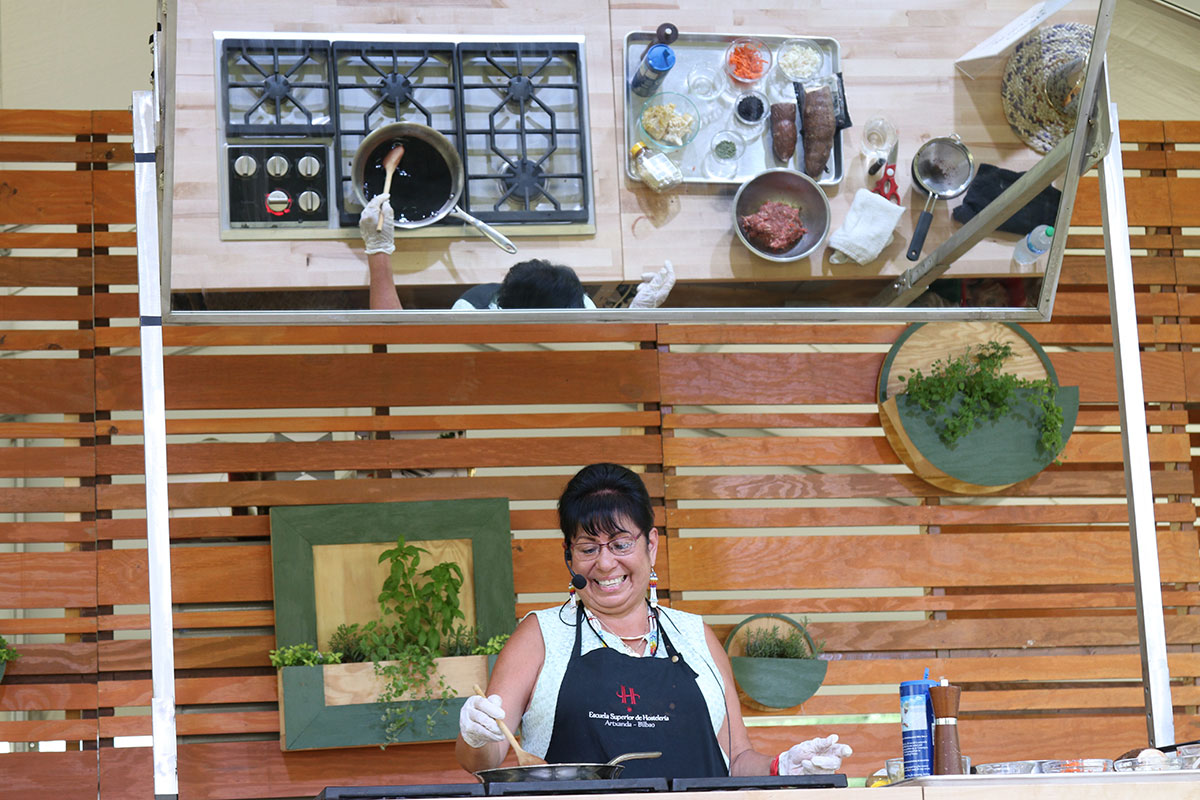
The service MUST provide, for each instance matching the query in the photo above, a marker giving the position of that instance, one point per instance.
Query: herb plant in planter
(775, 660)
(7, 654)
(401, 635)
(972, 420)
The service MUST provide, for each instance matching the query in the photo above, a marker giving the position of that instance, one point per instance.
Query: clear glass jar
(655, 169)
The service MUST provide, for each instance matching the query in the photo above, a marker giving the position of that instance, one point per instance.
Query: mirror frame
(1075, 155)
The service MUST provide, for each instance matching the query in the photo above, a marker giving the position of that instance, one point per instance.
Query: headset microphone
(577, 580)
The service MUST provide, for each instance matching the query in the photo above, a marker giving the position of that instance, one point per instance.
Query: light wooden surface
(898, 62)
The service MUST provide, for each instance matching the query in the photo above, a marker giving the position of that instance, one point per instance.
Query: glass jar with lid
(656, 170)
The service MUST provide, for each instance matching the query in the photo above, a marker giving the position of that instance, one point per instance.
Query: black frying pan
(560, 772)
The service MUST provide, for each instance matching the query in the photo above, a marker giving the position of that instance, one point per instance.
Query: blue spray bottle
(916, 726)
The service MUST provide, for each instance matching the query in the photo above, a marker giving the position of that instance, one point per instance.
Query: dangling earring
(571, 595)
(653, 588)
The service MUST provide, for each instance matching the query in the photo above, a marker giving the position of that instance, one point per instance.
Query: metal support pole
(154, 439)
(1139, 496)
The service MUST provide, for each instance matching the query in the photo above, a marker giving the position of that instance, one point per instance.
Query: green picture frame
(305, 721)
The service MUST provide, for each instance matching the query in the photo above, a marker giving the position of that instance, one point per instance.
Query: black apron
(611, 703)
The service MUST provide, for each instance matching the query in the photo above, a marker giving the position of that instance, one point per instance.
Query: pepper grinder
(947, 757)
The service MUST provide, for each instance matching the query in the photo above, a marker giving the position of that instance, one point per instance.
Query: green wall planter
(775, 682)
(307, 720)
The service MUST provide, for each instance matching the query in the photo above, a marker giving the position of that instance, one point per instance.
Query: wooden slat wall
(52, 165)
(1024, 599)
(352, 407)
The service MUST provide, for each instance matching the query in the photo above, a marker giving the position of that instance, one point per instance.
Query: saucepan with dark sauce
(427, 183)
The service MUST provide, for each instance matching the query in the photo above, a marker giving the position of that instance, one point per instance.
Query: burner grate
(831, 781)
(400, 792)
(524, 132)
(276, 88)
(610, 786)
(378, 83)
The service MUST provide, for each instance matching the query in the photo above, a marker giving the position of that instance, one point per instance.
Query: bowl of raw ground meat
(781, 215)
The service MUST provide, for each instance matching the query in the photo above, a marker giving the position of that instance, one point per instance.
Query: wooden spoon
(524, 758)
(390, 162)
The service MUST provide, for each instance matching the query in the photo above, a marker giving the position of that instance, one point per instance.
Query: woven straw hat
(1034, 74)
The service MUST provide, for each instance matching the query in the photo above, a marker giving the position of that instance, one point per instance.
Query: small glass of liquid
(878, 136)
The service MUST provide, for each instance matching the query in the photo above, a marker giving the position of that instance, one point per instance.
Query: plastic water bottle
(1034, 245)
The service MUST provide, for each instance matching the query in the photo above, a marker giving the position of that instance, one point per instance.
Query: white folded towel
(867, 229)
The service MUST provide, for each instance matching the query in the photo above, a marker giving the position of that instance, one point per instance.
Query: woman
(609, 672)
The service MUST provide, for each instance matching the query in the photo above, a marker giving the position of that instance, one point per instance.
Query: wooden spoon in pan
(390, 162)
(524, 758)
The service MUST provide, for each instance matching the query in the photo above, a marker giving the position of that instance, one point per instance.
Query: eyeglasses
(590, 551)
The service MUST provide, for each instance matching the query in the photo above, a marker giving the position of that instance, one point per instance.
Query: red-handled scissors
(886, 185)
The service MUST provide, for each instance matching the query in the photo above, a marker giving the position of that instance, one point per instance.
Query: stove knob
(245, 166)
(308, 166)
(310, 201)
(278, 202)
(277, 166)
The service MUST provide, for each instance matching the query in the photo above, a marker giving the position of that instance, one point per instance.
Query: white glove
(477, 720)
(381, 241)
(655, 286)
(814, 757)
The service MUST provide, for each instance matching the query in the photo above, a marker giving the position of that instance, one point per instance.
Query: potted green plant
(406, 667)
(966, 422)
(7, 654)
(775, 660)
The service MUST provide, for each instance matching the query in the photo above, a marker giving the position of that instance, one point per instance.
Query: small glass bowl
(704, 83)
(746, 100)
(1168, 763)
(808, 51)
(683, 105)
(747, 45)
(1006, 768)
(1189, 756)
(722, 160)
(895, 767)
(1077, 765)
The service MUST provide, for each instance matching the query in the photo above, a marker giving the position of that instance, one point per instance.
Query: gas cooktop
(614, 786)
(293, 109)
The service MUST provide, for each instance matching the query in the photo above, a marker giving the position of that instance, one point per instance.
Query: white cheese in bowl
(799, 60)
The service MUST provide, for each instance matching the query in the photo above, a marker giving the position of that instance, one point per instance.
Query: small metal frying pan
(943, 168)
(560, 772)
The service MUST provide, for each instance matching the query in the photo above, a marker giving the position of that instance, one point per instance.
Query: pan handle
(631, 756)
(923, 222)
(498, 238)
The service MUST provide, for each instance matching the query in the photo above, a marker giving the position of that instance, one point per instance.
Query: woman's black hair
(598, 496)
(539, 284)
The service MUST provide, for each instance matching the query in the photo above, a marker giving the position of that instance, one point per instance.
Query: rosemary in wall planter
(776, 662)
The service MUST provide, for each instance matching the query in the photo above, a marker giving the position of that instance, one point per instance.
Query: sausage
(818, 131)
(783, 130)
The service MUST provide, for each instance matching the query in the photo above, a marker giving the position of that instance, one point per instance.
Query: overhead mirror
(805, 172)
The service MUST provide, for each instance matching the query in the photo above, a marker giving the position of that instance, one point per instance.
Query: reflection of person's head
(602, 497)
(539, 284)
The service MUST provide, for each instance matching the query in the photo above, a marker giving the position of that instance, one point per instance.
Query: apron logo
(628, 698)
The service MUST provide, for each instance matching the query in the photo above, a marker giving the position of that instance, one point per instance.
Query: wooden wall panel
(1024, 598)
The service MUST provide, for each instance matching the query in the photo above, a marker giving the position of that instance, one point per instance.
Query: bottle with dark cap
(656, 63)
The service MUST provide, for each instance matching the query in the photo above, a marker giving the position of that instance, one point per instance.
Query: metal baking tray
(693, 49)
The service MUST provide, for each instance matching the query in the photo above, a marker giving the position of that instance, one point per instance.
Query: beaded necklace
(650, 636)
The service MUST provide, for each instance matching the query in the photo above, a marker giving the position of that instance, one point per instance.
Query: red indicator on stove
(278, 203)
